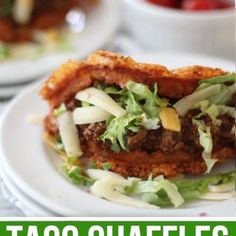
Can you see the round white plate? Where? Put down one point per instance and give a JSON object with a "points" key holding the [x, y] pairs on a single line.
{"points": [[30, 206], [35, 168], [102, 22]]}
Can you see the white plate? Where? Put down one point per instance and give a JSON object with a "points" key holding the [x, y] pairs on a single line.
{"points": [[97, 32], [27, 202], [35, 168]]}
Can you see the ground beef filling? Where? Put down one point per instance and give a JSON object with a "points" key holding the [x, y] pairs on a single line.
{"points": [[168, 141]]}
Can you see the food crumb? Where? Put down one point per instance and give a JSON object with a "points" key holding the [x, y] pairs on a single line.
{"points": [[203, 214], [35, 119]]}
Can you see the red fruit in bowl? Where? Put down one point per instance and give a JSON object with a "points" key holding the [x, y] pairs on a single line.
{"points": [[226, 3], [200, 5], [165, 3]]}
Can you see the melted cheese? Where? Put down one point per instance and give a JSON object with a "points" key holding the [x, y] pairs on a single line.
{"points": [[218, 196], [170, 119], [100, 99]]}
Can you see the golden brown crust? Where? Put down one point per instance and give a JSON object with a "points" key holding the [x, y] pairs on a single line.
{"points": [[67, 80], [115, 69], [142, 164], [196, 72], [112, 60]]}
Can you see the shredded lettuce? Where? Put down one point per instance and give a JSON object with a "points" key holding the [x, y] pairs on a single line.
{"points": [[217, 90], [155, 199], [218, 94], [224, 96], [153, 192], [156, 191], [6, 7], [106, 166], [147, 100], [130, 103], [213, 106], [221, 79], [206, 142], [4, 51], [193, 188], [118, 128], [109, 90], [157, 187], [149, 124], [78, 176], [85, 104], [70, 162], [137, 98], [229, 78], [60, 110], [59, 143], [142, 107], [213, 111], [189, 102], [230, 111]]}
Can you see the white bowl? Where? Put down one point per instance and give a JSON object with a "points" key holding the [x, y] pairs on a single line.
{"points": [[161, 28]]}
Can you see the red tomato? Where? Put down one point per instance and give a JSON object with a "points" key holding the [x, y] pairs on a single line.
{"points": [[165, 3], [199, 5], [225, 3]]}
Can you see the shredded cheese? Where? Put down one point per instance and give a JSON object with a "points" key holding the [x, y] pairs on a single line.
{"points": [[88, 115], [22, 11], [100, 99], [69, 135], [111, 187]]}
